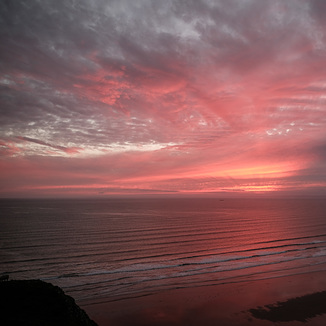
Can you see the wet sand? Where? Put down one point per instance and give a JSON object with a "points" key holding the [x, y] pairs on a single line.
{"points": [[223, 304]]}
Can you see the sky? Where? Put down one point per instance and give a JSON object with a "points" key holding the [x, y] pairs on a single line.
{"points": [[106, 97]]}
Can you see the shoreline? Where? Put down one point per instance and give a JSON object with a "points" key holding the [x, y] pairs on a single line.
{"points": [[223, 304]]}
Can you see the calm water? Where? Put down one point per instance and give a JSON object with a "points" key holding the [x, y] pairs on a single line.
{"points": [[109, 249]]}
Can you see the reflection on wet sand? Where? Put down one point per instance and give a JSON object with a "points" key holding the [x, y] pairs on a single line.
{"points": [[225, 304]]}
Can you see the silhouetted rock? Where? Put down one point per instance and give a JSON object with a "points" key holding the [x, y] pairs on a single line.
{"points": [[296, 309], [37, 303], [4, 277]]}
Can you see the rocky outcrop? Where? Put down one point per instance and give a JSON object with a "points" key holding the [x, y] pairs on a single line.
{"points": [[297, 309], [34, 302]]}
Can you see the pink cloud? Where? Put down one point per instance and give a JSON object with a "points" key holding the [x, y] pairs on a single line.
{"points": [[208, 96]]}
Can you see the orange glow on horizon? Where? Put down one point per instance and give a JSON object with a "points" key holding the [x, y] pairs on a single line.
{"points": [[260, 188]]}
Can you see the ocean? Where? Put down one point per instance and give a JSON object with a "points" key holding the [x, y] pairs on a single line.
{"points": [[103, 250]]}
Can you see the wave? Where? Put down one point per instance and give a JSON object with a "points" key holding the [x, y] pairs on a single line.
{"points": [[153, 286], [173, 256], [217, 263]]}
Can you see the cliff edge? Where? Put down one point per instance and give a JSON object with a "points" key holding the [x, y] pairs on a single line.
{"points": [[34, 302]]}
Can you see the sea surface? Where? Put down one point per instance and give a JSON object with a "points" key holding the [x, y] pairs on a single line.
{"points": [[102, 250]]}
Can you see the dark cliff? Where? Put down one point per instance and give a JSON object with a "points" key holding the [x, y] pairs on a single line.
{"points": [[34, 302]]}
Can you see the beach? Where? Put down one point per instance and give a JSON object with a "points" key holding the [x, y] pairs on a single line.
{"points": [[223, 304]]}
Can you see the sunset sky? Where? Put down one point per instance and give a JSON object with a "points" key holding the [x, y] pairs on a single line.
{"points": [[102, 97]]}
